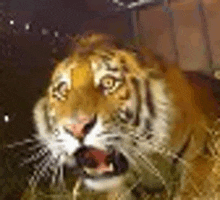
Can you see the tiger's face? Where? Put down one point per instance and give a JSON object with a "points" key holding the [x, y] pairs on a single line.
{"points": [[108, 117]]}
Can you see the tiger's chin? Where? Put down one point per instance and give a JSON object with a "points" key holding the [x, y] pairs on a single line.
{"points": [[103, 184]]}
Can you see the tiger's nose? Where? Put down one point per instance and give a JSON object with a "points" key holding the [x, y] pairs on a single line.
{"points": [[82, 127]]}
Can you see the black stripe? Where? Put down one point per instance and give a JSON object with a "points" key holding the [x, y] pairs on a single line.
{"points": [[109, 67], [136, 84], [68, 131], [149, 100], [47, 118], [128, 115], [182, 151], [148, 125]]}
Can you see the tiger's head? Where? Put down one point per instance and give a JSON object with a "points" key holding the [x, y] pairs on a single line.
{"points": [[113, 114]]}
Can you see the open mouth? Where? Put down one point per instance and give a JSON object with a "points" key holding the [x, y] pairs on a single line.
{"points": [[97, 164]]}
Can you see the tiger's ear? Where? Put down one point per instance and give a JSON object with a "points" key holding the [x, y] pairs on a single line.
{"points": [[91, 37], [89, 41], [148, 59]]}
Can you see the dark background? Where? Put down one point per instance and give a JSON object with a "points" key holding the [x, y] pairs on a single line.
{"points": [[26, 63]]}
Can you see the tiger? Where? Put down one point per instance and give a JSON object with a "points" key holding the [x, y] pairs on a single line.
{"points": [[127, 124]]}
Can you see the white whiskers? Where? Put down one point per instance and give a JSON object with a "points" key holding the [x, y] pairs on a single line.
{"points": [[37, 157], [21, 143], [40, 154]]}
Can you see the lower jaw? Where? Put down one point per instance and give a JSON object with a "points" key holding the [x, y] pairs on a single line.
{"points": [[103, 184]]}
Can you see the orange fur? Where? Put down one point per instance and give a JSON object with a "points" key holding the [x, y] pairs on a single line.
{"points": [[192, 108]]}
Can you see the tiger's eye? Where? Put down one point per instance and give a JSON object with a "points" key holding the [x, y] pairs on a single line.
{"points": [[108, 82]]}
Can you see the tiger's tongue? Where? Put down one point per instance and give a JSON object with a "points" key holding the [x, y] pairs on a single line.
{"points": [[101, 159]]}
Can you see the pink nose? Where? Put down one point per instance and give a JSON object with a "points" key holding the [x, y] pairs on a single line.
{"points": [[80, 129]]}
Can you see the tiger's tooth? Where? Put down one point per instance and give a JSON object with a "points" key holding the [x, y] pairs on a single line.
{"points": [[111, 167]]}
